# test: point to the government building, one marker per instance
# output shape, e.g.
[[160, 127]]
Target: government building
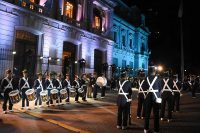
[[72, 36]]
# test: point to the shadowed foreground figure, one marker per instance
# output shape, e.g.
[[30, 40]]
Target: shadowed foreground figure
[[152, 83], [123, 101]]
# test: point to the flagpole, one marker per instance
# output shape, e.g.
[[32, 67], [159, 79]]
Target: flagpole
[[180, 15], [182, 50]]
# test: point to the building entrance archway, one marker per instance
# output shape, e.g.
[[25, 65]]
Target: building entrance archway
[[26, 53]]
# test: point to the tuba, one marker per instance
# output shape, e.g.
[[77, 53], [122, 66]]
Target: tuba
[[101, 81]]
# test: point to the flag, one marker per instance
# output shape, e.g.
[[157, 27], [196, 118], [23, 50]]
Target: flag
[[180, 11]]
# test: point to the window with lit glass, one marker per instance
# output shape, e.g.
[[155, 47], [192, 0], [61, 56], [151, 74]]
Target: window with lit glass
[[32, 6], [97, 22], [23, 3], [68, 9]]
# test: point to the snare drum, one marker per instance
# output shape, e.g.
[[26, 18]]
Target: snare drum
[[54, 94], [43, 95], [14, 96], [72, 91], [63, 94], [30, 93]]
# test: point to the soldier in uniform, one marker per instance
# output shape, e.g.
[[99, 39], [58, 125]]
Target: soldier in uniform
[[153, 86], [38, 86], [89, 86], [167, 96], [103, 88], [84, 86], [141, 96], [8, 84], [77, 85], [49, 86], [24, 85], [177, 94], [94, 85], [58, 84], [67, 86], [123, 101]]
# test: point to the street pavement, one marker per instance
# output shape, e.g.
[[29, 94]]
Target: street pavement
[[95, 116]]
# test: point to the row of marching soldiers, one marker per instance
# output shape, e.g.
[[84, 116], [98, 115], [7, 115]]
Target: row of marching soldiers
[[154, 93], [8, 84]]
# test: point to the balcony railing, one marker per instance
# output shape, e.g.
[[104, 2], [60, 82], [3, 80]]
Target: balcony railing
[[73, 22]]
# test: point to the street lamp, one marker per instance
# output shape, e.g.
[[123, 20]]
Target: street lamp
[[14, 52], [48, 61], [160, 68]]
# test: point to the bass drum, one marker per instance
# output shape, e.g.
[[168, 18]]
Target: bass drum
[[30, 93], [101, 81], [14, 96]]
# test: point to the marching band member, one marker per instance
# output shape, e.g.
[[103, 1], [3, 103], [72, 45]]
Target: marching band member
[[58, 84], [24, 85], [123, 99], [76, 83], [103, 89], [94, 85], [67, 86], [89, 86], [177, 93], [84, 86], [141, 97], [152, 83], [167, 96], [38, 86], [49, 86], [7, 85]]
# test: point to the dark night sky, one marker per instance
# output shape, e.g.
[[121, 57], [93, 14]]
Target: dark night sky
[[162, 17]]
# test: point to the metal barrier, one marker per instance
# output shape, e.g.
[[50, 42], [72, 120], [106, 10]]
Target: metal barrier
[[5, 60]]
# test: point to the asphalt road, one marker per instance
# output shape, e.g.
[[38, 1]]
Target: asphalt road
[[95, 117]]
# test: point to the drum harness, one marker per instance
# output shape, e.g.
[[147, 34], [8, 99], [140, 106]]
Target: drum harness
[[9, 85], [121, 91], [175, 85], [40, 85], [78, 86], [166, 86], [50, 86], [26, 84], [151, 87], [140, 88], [60, 85], [68, 84]]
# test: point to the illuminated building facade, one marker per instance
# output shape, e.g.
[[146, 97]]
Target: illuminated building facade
[[68, 36]]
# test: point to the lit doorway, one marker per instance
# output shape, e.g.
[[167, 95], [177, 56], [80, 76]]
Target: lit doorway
[[69, 57]]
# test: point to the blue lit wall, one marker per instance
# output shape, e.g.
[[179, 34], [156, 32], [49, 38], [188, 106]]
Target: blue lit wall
[[130, 46]]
